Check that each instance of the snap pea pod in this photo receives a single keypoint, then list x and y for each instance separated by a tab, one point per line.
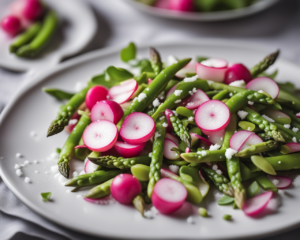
176	162
263	165
100	191
252	190
210	94
289	100
155	60
25	37
204	156
187	121
258	148
67	150
220	181
92	178
246	173
288	131
265	183
82	153
183	111
270	129
245	125
285	162
120	162
183	90
221	95
264	64
157	155
42	38
170	84
66	113
181	130
154	89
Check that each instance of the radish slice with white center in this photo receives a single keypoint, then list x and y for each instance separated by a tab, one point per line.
239	138
94	95
165	173
290	148
212	69
168	153
123	92
212	116
168	114
277	116
107	110
90	167
150	81
197	99
215	137
127	150
168	195
137	128
172	90
280	182
251	140
254	206
189	68
173	138
187	150
195	137
181	5
265	84
100	136
237	72
101	201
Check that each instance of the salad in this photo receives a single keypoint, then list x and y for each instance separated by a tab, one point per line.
179	128
32	25
198	5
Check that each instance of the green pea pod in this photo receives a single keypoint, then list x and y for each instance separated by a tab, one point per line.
263	164
100	191
252	190
246	173
221	95
183	111
285	162
266	184
176	162
258	148
141	172
248	126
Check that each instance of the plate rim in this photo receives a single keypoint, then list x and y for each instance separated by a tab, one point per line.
100	54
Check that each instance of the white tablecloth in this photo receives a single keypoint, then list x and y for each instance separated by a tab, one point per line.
278	27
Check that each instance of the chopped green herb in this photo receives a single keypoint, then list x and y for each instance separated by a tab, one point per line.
46	196
226	200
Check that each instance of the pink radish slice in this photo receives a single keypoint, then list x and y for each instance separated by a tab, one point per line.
80	146
107	110
94	95
27	9
165	173
265	84
150	80
172	90
189	68
181	5
237	72
168	114
90	167
124	188
253	206
215	137
163	4
251	140
101	201
239	138
197	99
212	69
11	25
168	153
212	116
69	128
294	147
187	150
100	136
278	116
127	150
298	115
168	195
195	136
284	182
123	92
172	137
137	128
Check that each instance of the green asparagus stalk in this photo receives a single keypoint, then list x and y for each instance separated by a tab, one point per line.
258	148
181	130
100	191
155	61
204	156
265	183
139	203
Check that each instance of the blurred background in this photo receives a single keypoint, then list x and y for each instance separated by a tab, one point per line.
118	23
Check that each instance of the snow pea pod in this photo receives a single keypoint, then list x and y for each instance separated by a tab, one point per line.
265	183
100	191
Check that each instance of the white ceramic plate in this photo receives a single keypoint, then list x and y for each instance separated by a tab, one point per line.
204	16
77	28
32	110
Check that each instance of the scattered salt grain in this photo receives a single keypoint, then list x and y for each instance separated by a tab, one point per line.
230	94
177	92
161	118
79	196
209	82
33	134
191	119
249	128
54	169
165	125
219	172
294	139
19	172
73	121
275	182
26	163
219	195
267	118
190	220
62	179
142	96
214	147
150	154
174	168
250	103
194	90
215	167
82	172
157	134
175	113
287	125
27	180
17	166
35	161
260	91
149	214
154	210
156	102
191	79
171	60
242	114
19	155
202	153
75	174
279	162
295	129
238	83
147	89
178	101
191	93
296	181
229	153
36	171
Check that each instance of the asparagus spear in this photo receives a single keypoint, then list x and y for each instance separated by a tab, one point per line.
181	130
258	148
100	191
155	61
204	156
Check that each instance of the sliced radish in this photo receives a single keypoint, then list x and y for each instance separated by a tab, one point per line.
94	95
237	72
290	148
187	150
27	9
253	206
80	146
239	138
173	138
252	140
172	90
163	4
11	25
195	137
168	114
168	153
107	110
127	150
265	84
101	201
150	81
212	69
124	188
137	128
100	136
212	116
281	182
123	92
181	5
189	68
90	167
278	116
197	99
168	195
215	137
165	173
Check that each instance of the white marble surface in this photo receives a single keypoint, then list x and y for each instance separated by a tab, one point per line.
275	28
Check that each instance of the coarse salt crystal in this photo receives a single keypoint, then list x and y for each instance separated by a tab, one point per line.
267	118
275	182
203	153
214	147
161	118
165	125
73	121
260	91
191	119
156	102
149	214
177	92
147	89
250	103
229	153
33	134
75	174
219	172
238	83
242	114
230	94
191	79
215	167
157	134
174	168
249	128
279	162
82	172
219	195
171	60
296	181
27	180
19	155
19	172
294	139
178	101
154	210
26	163
190	220
295	129
36	171
17	166
150	154
54	169
194	90
287	125
142	96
